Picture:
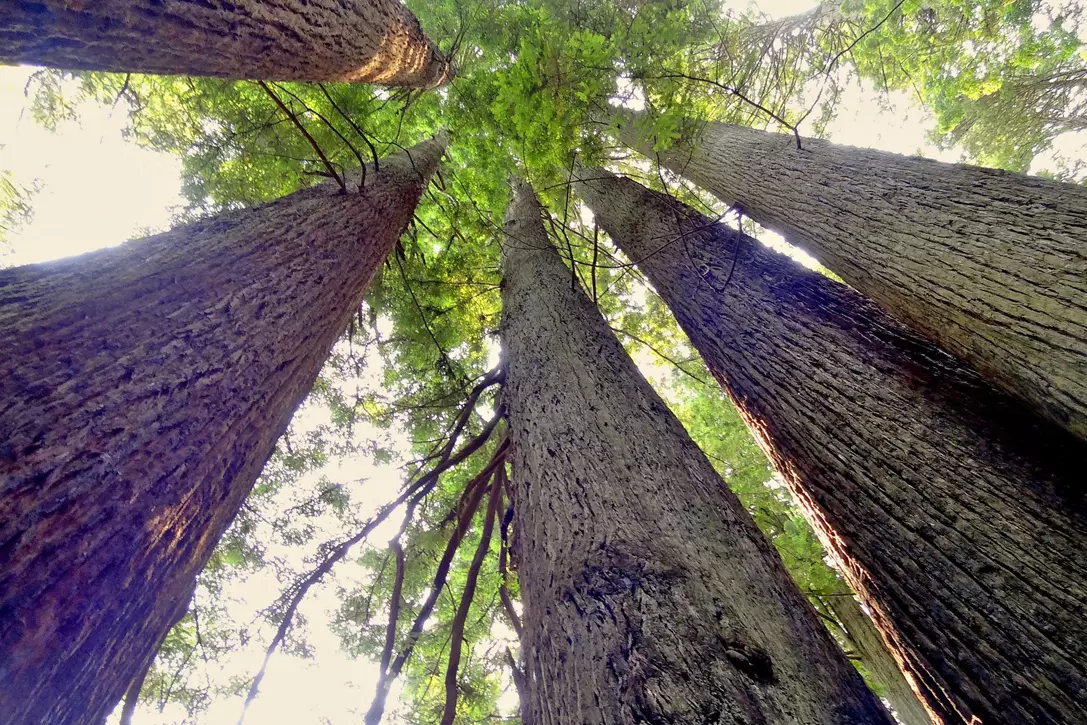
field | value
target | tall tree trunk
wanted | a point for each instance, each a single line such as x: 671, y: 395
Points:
x: 377, y: 41
x: 992, y: 266
x: 861, y: 633
x: 955, y: 514
x: 649, y: 594
x: 142, y: 389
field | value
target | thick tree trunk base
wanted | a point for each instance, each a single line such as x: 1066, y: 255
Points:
x: 650, y: 595
x: 957, y: 515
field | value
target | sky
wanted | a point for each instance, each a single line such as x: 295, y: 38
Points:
x: 97, y: 189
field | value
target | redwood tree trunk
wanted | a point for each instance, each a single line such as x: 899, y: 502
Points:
x: 956, y: 515
x: 142, y: 389
x: 650, y: 596
x: 992, y: 266
x: 881, y: 667
x: 377, y: 41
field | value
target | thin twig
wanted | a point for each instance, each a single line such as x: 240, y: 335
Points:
x: 355, y: 126
x: 660, y: 354
x: 834, y: 61
x: 332, y: 127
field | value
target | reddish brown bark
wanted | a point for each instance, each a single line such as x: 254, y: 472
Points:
x: 649, y: 594
x: 142, y: 388
x: 957, y: 515
x: 377, y: 41
x: 991, y: 266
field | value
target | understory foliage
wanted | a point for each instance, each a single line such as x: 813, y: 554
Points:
x: 1003, y: 80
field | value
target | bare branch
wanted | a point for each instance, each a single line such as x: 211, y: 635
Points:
x: 457, y: 636
x: 312, y: 142
x: 467, y: 509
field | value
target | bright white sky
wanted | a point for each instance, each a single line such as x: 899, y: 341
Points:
x: 99, y: 190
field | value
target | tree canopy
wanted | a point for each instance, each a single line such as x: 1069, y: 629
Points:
x: 1003, y: 81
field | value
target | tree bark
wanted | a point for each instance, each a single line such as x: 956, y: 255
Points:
x: 376, y: 41
x: 956, y: 515
x: 991, y: 266
x: 881, y: 667
x: 650, y: 596
x: 142, y: 389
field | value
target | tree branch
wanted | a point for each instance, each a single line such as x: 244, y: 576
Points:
x: 457, y: 636
x: 312, y: 142
x: 414, y: 492
x: 464, y: 517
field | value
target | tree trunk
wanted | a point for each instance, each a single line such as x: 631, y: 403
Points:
x: 142, y: 389
x: 650, y: 596
x: 992, y: 266
x: 881, y: 667
x: 955, y: 514
x: 377, y: 41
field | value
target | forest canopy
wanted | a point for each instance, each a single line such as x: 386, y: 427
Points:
x: 1004, y: 84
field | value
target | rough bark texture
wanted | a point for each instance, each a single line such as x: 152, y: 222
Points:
x: 142, y: 389
x: 992, y: 266
x: 650, y: 596
x: 881, y: 667
x: 955, y: 513
x: 377, y: 41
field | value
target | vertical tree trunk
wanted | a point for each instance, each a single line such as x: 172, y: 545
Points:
x: 992, y: 266
x: 142, y: 389
x: 377, y: 41
x: 881, y: 667
x: 650, y: 596
x: 955, y: 514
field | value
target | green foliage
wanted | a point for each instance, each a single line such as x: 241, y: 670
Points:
x: 16, y: 205
x: 1003, y: 79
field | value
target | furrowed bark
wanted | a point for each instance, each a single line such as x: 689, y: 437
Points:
x: 376, y: 41
x: 142, y: 389
x: 878, y: 662
x: 990, y: 265
x: 956, y: 515
x: 649, y: 594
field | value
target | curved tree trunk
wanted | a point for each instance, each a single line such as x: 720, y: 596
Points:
x: 142, y: 389
x: 955, y: 514
x: 650, y: 596
x: 992, y: 266
x: 857, y: 628
x: 376, y: 41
